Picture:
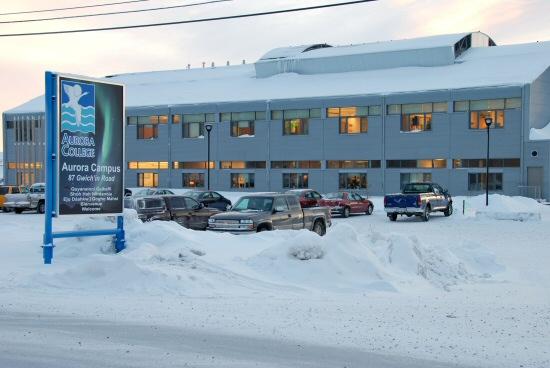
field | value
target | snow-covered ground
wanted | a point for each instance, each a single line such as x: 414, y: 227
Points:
x: 468, y: 290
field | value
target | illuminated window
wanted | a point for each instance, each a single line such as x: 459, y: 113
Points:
x: 12, y: 165
x: 147, y: 165
x: 295, y: 180
x: 417, y: 108
x: 440, y: 163
x: 197, y: 165
x: 353, y: 164
x: 242, y: 165
x: 295, y: 126
x: 406, y: 178
x: 243, y: 180
x: 295, y: 164
x: 193, y: 180
x: 147, y: 131
x: 477, y: 119
x: 484, y: 105
x: 353, y: 125
x: 243, y: 128
x: 148, y: 179
x: 146, y: 120
x: 477, y: 181
x: 416, y: 122
x: 352, y: 181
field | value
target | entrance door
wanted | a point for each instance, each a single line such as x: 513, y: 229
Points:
x: 535, y: 181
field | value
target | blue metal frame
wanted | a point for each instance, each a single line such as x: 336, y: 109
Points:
x: 51, y: 182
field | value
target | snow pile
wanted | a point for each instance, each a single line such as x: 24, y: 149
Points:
x: 165, y: 257
x: 503, y: 207
x: 541, y: 134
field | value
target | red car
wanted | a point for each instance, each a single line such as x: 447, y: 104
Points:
x: 346, y: 203
x: 307, y: 197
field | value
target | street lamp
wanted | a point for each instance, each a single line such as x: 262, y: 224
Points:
x: 208, y: 128
x: 488, y: 122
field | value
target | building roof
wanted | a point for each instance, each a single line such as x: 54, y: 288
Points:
x: 510, y: 65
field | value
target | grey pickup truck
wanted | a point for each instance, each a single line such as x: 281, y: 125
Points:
x: 418, y: 199
x: 28, y: 199
x: 266, y: 212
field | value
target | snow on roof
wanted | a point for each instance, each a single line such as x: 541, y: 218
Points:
x: 284, y: 52
x: 511, y: 65
x: 541, y: 134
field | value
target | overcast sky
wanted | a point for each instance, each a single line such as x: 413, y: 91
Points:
x: 23, y: 60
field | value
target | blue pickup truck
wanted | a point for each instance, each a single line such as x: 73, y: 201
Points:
x: 418, y: 199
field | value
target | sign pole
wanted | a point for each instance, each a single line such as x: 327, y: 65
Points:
x: 51, y: 143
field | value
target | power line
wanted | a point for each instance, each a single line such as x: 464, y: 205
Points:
x: 75, y: 7
x: 113, y: 13
x: 200, y: 20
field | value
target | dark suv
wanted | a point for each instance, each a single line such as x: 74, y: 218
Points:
x: 184, y: 210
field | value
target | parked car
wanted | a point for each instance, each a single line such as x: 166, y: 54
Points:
x: 151, y: 192
x: 127, y: 192
x: 256, y: 213
x: 210, y: 199
x: 308, y: 197
x: 184, y: 210
x: 347, y: 203
x: 418, y: 199
x: 8, y: 189
x: 28, y: 199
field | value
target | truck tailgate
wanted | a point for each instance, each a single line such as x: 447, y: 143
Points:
x: 400, y: 200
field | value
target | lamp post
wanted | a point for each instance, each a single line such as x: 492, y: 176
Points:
x: 208, y: 128
x: 488, y: 122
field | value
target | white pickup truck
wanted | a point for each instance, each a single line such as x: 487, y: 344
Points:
x: 32, y: 198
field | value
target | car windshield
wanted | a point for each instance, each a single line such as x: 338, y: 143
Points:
x: 334, y: 195
x: 254, y: 204
x: 4, y: 190
x: 144, y: 192
x: 192, y: 194
x: 417, y: 188
x: 150, y: 203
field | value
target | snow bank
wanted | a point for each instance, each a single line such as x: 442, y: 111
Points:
x: 502, y: 207
x: 541, y: 134
x: 165, y: 257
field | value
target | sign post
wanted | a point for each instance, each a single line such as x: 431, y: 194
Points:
x: 84, y: 155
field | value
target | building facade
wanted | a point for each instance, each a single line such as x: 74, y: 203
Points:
x: 369, y: 117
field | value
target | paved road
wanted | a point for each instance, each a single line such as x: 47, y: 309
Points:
x: 32, y: 341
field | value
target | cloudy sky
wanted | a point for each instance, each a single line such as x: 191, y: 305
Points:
x: 23, y: 60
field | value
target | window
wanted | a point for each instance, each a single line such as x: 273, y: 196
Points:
x: 242, y: 180
x: 296, y: 114
x: 295, y: 180
x: 280, y: 204
x: 147, y: 131
x: 352, y: 181
x: 9, y: 124
x: 417, y: 108
x: 495, y: 104
x: 353, y: 164
x: 147, y: 165
x: 198, y: 165
x: 148, y: 179
x: 193, y: 180
x: 416, y: 122
x: 477, y: 181
x: 12, y: 165
x: 439, y: 163
x: 242, y: 165
x: 354, y: 125
x: 406, y: 178
x: 238, y: 116
x: 243, y: 128
x: 477, y: 119
x: 295, y: 164
x: 193, y: 124
x: 336, y: 112
x: 145, y: 120
x: 481, y: 163
x: 295, y: 126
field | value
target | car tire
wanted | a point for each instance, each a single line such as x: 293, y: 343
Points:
x: 449, y: 210
x: 392, y: 216
x: 4, y: 209
x: 346, y: 212
x: 262, y: 228
x: 41, y: 208
x: 370, y: 208
x: 319, y: 228
x: 18, y: 211
x: 426, y: 215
